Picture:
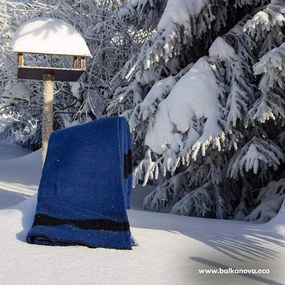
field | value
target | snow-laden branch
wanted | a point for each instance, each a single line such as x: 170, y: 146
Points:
x: 254, y: 156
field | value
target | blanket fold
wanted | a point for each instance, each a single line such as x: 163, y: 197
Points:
x: 85, y: 187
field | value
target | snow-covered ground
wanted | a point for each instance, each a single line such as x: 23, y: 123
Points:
x: 172, y: 249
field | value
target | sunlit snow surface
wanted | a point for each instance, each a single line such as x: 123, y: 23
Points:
x: 178, y: 11
x: 221, y: 48
x: 195, y: 95
x: 171, y: 248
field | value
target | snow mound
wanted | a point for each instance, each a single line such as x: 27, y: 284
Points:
x: 9, y: 199
x: 178, y: 11
x: 221, y: 49
x: 278, y: 222
x: 49, y: 36
x: 9, y: 151
x: 22, y: 174
x: 194, y: 96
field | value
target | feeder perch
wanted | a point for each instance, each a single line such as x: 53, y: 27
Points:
x: 49, y: 37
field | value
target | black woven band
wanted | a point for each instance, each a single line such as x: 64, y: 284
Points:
x: 89, y: 224
x: 128, y: 164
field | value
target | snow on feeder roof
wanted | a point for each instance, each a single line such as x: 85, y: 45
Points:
x: 48, y: 36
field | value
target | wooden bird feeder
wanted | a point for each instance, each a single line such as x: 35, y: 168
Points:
x: 49, y: 37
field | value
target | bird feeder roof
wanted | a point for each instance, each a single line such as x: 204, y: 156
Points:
x: 49, y: 36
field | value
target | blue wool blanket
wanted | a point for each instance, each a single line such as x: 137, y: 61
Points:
x: 85, y: 187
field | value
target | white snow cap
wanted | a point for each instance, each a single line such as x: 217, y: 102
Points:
x: 179, y: 11
x: 195, y: 95
x: 221, y: 48
x: 49, y: 36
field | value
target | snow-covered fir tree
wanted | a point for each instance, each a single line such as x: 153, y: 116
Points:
x: 205, y: 100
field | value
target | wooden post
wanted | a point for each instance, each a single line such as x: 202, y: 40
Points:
x: 83, y: 63
x: 20, y: 59
x: 75, y: 62
x: 47, y: 124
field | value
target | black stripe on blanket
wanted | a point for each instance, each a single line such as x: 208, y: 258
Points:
x: 89, y: 224
x: 128, y: 164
